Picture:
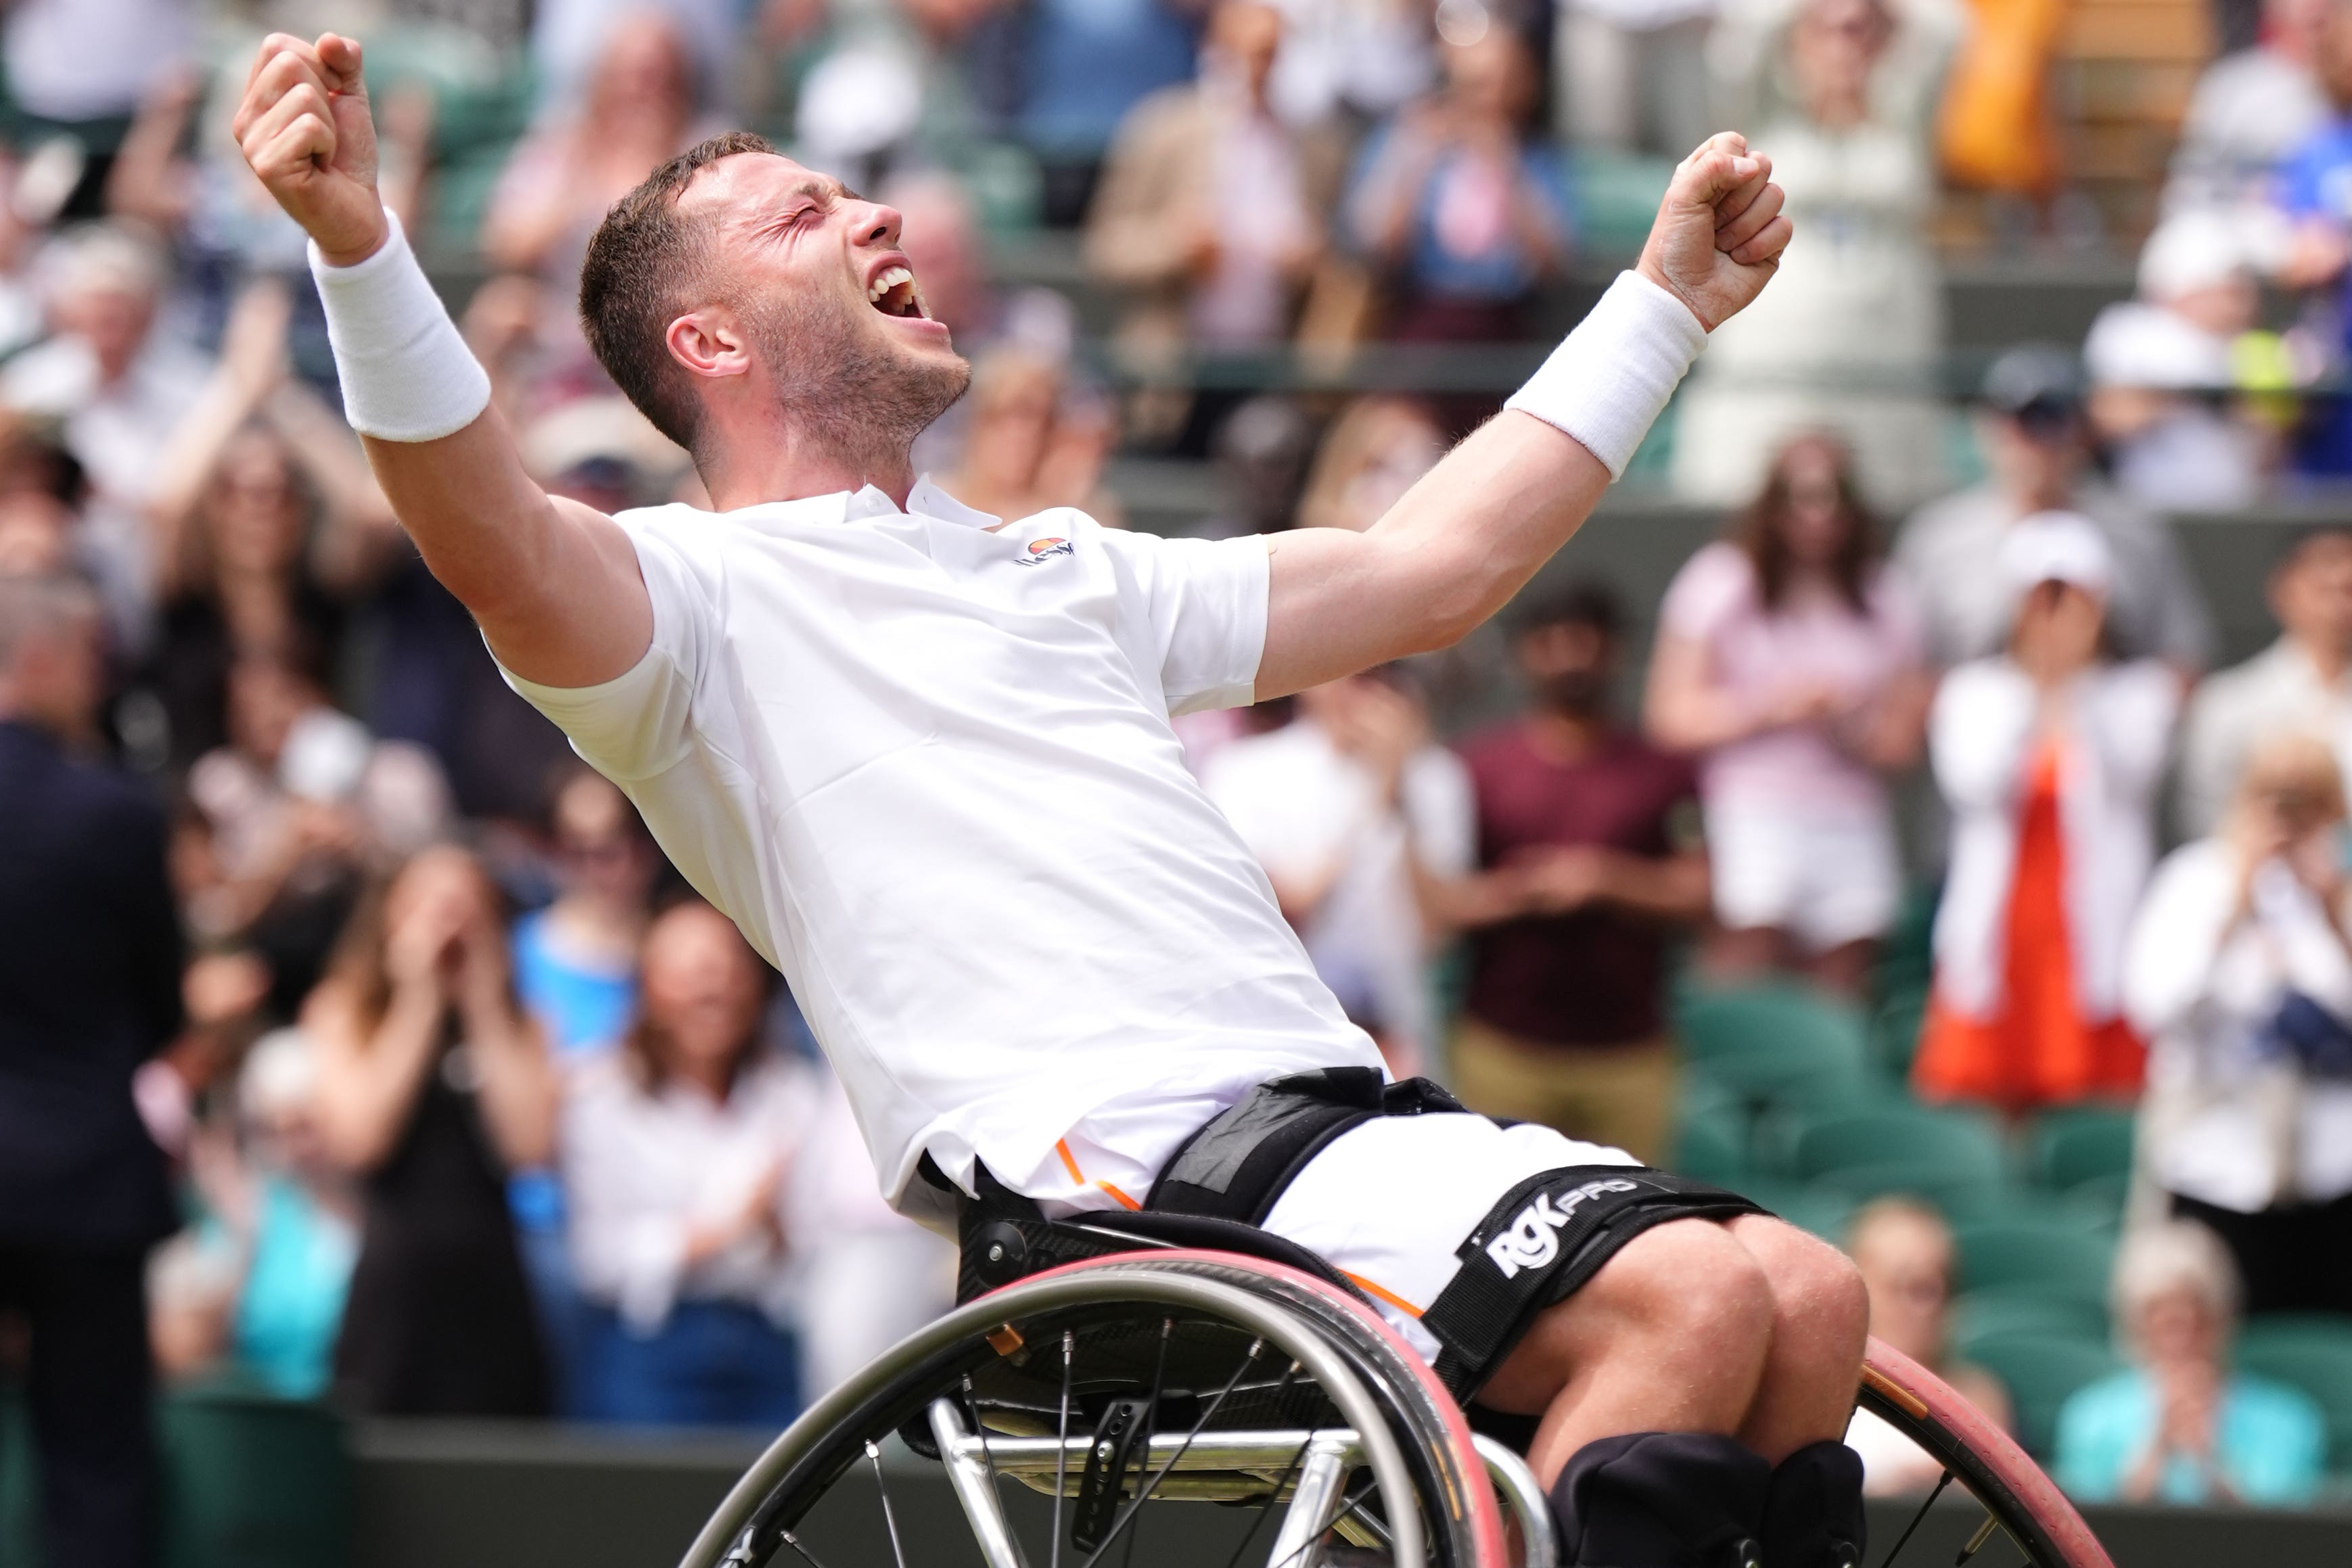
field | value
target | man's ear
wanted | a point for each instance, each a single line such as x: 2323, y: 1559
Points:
x: 709, y: 342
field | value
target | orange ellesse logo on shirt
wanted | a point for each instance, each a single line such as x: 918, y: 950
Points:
x: 1043, y: 549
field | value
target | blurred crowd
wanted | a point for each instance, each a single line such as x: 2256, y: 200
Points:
x: 356, y: 1042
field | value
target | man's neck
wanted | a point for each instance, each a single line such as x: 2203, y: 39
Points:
x: 777, y: 465
x: 2329, y: 661
x: 1565, y: 735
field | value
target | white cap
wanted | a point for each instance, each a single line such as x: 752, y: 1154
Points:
x: 2190, y: 251
x: 2057, y: 547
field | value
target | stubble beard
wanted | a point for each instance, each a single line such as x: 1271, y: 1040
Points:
x: 852, y: 391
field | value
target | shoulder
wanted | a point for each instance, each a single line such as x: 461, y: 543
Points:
x: 1981, y: 681
x: 1716, y: 581
x: 2192, y: 873
x: 1670, y: 775
x: 1496, y: 746
x: 2279, y: 1407
x: 1959, y: 521
x: 2146, y: 689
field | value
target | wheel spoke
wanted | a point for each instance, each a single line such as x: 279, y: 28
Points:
x: 1904, y: 1538
x: 1061, y: 1452
x: 1280, y: 1481
x: 889, y: 1520
x: 789, y: 1539
x: 1160, y: 1475
x: 1976, y: 1542
x: 1150, y: 1424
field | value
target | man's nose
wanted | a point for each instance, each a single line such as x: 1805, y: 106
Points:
x: 877, y: 225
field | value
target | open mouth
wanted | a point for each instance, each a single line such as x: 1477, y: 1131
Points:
x: 893, y: 292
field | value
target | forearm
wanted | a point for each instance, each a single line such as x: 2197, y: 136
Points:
x: 1478, y: 526
x: 519, y: 1091
x: 554, y: 586
x: 369, y: 1087
x: 1675, y: 891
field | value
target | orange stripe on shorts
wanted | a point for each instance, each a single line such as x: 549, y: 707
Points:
x: 1062, y: 1147
x: 1391, y: 1297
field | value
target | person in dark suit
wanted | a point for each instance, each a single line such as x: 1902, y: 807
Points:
x: 90, y: 988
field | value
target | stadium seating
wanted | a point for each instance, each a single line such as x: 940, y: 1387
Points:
x: 2067, y: 1148
x: 2036, y: 1255
x: 1777, y: 1044
x: 2001, y: 1314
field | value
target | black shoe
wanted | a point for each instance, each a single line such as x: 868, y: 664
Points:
x: 1661, y: 1500
x: 1813, y: 1514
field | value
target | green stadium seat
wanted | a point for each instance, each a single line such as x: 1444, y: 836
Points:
x: 2085, y: 1143
x: 1959, y: 1196
x: 2039, y: 1371
x: 2322, y: 1369
x: 2330, y: 1330
x: 2045, y: 1257
x: 1617, y: 196
x: 1821, y: 1210
x: 1943, y: 1146
x: 1776, y: 1044
x: 251, y: 1481
x: 2003, y: 1314
x: 1710, y: 1147
x: 1894, y: 1031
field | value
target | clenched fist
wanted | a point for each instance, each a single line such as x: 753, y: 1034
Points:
x: 1719, y: 233
x: 303, y: 127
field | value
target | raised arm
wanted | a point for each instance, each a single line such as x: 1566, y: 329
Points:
x: 554, y: 585
x: 1465, y: 538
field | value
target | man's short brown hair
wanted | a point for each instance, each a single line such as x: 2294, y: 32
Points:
x: 637, y: 260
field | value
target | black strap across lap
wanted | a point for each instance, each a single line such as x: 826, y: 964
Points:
x: 1240, y: 1163
x: 1542, y: 1240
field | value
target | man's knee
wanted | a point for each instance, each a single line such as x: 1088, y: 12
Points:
x: 1817, y: 1292
x: 1692, y: 1281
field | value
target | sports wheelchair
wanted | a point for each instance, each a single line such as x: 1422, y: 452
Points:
x: 1152, y: 1374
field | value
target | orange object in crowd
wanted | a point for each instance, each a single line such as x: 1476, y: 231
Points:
x: 1993, y: 130
x: 2038, y: 1050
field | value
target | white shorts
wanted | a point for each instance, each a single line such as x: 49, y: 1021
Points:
x: 1826, y: 879
x: 1388, y: 1203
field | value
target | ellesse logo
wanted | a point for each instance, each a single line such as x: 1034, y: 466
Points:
x: 1532, y: 1240
x: 1042, y: 549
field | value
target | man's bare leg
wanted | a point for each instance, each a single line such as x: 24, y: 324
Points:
x: 1692, y: 1395
x: 1673, y: 1335
x: 1821, y: 1317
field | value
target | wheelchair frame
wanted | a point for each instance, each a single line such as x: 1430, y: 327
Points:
x: 1400, y: 1426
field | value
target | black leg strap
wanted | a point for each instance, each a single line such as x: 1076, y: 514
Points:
x: 1546, y: 1237
x: 1661, y: 1500
x: 1813, y: 1517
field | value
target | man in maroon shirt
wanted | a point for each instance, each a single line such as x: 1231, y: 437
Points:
x: 1588, y: 845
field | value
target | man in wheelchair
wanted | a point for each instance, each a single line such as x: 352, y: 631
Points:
x: 922, y: 757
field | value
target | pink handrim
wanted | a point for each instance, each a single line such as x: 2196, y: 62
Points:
x: 1485, y: 1519
x: 1926, y: 1396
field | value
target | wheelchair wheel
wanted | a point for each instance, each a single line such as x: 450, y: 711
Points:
x: 1118, y: 1388
x: 1122, y: 1388
x: 2018, y: 1501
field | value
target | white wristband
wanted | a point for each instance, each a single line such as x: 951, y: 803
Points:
x: 406, y: 375
x: 1609, y: 379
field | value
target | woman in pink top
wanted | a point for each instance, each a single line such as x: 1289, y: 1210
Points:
x: 1789, y: 658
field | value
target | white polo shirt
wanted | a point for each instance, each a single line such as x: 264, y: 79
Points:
x: 928, y: 769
